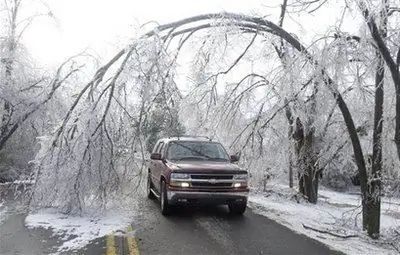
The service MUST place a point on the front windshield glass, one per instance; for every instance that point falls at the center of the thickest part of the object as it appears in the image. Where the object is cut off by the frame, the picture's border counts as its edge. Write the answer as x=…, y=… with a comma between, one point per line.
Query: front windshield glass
x=190, y=150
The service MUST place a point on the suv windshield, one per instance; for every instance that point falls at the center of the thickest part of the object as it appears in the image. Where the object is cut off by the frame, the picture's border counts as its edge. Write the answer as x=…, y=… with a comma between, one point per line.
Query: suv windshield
x=194, y=150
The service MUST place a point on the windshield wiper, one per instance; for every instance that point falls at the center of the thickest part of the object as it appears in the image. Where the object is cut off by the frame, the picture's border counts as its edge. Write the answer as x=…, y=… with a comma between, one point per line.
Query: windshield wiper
x=191, y=157
x=217, y=158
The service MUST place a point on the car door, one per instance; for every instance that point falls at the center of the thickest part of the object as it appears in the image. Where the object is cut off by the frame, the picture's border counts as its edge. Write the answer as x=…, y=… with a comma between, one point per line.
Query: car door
x=158, y=167
x=153, y=167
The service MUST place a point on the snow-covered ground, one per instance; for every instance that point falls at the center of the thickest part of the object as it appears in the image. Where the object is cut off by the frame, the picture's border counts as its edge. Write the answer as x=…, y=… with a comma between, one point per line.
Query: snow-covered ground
x=3, y=212
x=336, y=213
x=77, y=232
x=19, y=182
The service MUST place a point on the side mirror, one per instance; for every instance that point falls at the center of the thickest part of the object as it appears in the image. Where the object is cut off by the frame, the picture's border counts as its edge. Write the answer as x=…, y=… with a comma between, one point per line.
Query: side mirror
x=155, y=156
x=234, y=158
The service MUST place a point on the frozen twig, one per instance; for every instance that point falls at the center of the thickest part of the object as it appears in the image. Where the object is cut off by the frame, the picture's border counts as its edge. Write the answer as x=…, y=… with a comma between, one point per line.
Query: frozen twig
x=328, y=232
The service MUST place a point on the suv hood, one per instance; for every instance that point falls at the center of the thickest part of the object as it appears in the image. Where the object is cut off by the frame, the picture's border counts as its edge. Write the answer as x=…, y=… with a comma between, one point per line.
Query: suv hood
x=204, y=167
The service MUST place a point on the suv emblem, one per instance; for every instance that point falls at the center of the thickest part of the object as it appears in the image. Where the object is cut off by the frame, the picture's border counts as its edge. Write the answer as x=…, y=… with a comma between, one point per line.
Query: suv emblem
x=212, y=181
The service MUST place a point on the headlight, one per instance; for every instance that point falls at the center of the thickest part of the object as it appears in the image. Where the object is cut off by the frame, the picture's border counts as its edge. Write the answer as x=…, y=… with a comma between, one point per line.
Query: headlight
x=237, y=185
x=180, y=180
x=240, y=177
x=179, y=176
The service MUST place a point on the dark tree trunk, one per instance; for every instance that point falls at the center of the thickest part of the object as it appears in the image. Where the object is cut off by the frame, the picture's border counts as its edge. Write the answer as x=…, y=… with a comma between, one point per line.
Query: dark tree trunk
x=306, y=154
x=308, y=170
x=302, y=184
x=298, y=137
x=393, y=66
x=373, y=203
x=289, y=117
x=311, y=186
x=307, y=177
x=290, y=164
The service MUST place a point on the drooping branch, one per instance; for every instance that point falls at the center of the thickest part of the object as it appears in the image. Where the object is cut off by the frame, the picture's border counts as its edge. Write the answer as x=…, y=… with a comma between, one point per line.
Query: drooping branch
x=112, y=85
x=390, y=62
x=98, y=77
x=328, y=232
x=249, y=23
x=245, y=24
x=55, y=85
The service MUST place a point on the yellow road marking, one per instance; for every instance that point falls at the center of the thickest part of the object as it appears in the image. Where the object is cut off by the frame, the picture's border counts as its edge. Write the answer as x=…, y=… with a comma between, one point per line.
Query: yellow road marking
x=110, y=242
x=132, y=244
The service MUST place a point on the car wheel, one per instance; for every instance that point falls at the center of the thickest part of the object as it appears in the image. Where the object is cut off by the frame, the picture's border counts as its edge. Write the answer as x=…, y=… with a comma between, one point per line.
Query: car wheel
x=165, y=207
x=237, y=209
x=150, y=194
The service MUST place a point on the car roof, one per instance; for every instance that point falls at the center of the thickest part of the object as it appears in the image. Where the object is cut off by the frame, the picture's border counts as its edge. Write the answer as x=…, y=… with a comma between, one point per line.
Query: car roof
x=187, y=138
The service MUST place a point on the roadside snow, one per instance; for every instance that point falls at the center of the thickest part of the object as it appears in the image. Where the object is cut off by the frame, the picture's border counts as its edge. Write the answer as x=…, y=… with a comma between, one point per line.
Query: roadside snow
x=3, y=212
x=20, y=182
x=337, y=213
x=77, y=232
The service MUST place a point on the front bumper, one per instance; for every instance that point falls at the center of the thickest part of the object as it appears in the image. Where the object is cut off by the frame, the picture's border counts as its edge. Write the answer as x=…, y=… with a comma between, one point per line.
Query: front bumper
x=202, y=197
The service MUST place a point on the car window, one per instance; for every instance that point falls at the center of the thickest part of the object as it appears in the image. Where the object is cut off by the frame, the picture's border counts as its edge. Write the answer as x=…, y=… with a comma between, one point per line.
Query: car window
x=160, y=147
x=189, y=150
x=156, y=147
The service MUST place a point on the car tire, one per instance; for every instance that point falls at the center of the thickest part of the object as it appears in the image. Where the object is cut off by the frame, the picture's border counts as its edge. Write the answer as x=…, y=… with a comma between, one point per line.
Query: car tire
x=237, y=209
x=164, y=206
x=150, y=194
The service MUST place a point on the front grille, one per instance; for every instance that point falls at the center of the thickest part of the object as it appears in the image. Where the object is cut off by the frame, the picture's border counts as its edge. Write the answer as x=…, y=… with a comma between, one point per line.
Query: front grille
x=204, y=184
x=211, y=180
x=212, y=176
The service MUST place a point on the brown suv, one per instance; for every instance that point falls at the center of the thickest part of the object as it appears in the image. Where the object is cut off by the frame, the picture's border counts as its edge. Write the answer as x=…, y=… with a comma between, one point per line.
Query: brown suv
x=195, y=170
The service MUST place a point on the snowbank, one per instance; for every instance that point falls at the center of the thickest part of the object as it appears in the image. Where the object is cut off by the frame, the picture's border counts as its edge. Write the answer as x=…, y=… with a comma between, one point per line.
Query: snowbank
x=3, y=212
x=335, y=220
x=77, y=232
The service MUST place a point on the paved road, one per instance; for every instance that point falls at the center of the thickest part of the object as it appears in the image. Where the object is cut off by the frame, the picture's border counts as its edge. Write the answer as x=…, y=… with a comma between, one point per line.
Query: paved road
x=214, y=231
x=189, y=231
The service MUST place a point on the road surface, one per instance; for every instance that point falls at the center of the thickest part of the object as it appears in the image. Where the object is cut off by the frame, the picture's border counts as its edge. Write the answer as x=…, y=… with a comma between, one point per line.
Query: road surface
x=208, y=230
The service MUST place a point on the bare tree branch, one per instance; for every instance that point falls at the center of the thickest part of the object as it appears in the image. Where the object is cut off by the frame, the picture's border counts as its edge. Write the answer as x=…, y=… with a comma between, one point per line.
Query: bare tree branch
x=328, y=232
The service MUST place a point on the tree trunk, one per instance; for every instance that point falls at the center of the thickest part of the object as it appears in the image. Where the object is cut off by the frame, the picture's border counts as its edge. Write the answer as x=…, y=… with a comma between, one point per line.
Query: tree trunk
x=311, y=186
x=373, y=203
x=373, y=206
x=298, y=137
x=393, y=66
x=308, y=170
x=307, y=177
x=290, y=168
x=289, y=117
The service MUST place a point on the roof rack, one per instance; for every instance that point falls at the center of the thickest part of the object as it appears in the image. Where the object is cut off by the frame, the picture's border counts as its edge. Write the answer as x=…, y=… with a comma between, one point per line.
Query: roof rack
x=191, y=136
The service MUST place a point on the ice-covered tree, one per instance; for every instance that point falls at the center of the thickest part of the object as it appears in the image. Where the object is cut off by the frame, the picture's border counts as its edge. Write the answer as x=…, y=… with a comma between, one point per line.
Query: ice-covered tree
x=315, y=92
x=25, y=88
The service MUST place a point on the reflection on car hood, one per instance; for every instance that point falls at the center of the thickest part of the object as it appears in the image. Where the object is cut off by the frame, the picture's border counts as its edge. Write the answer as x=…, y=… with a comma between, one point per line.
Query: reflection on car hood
x=206, y=166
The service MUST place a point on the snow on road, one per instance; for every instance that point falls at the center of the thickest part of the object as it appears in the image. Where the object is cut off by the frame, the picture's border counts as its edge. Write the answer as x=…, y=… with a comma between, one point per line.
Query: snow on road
x=337, y=213
x=77, y=232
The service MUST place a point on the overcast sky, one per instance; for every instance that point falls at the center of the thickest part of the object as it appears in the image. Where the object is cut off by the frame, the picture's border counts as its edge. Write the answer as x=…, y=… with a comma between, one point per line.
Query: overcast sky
x=104, y=25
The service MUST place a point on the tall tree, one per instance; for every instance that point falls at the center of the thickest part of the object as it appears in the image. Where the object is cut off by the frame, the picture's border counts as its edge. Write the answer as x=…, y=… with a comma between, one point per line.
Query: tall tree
x=245, y=23
x=25, y=89
x=21, y=87
x=372, y=214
